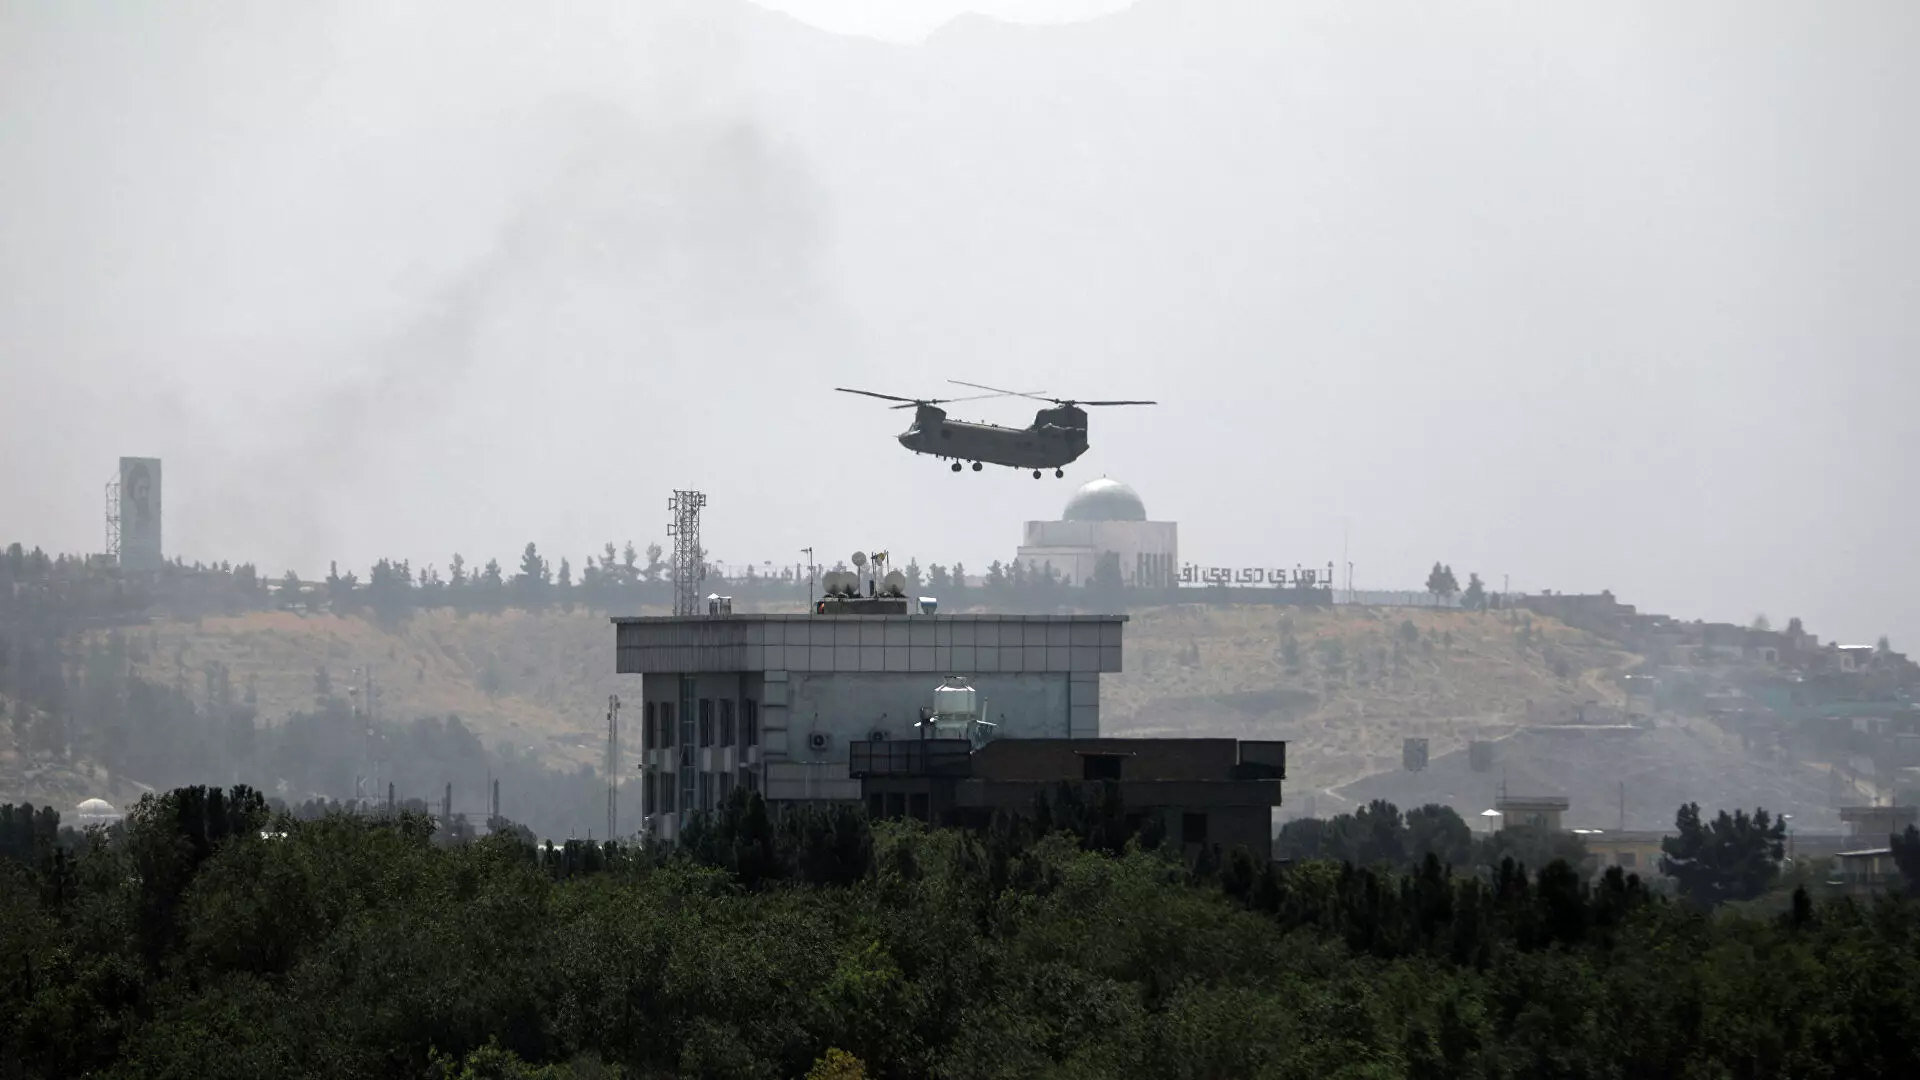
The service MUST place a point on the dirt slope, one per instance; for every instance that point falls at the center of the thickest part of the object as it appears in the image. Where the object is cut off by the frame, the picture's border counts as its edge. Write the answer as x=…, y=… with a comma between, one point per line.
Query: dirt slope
x=543, y=680
x=537, y=680
x=1360, y=683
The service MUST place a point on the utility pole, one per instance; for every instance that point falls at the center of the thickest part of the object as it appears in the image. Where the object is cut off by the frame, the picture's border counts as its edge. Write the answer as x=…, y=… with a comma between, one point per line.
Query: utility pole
x=808, y=552
x=1346, y=528
x=613, y=762
x=371, y=766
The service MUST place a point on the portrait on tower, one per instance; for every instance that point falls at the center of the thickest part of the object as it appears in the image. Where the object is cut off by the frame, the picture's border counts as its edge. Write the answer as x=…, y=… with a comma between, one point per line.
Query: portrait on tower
x=139, y=513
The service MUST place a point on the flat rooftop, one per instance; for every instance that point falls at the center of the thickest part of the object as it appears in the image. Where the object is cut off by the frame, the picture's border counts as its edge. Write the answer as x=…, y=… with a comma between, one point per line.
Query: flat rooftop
x=807, y=617
x=921, y=644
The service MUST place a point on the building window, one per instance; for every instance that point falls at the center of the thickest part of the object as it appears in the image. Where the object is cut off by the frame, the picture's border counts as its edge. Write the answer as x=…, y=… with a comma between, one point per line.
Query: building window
x=646, y=727
x=724, y=782
x=666, y=724
x=726, y=722
x=1193, y=828
x=649, y=796
x=1100, y=766
x=750, y=780
x=706, y=722
x=666, y=792
x=706, y=791
x=917, y=806
x=749, y=723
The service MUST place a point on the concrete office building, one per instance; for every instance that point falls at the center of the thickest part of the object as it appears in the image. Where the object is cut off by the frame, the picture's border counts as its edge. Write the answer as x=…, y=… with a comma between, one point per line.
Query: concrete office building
x=1105, y=516
x=772, y=702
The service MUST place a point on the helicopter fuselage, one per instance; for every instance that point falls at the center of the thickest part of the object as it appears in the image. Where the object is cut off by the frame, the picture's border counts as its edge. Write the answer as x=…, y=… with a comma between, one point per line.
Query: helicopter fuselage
x=1056, y=438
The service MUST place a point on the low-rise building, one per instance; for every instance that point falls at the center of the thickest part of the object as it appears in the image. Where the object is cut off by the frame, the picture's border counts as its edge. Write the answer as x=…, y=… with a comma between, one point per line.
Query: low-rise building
x=1203, y=792
x=1634, y=852
x=1866, y=871
x=1877, y=823
x=1531, y=811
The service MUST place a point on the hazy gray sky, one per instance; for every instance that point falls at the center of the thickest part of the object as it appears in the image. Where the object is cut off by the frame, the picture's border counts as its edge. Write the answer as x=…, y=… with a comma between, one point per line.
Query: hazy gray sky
x=1619, y=297
x=910, y=21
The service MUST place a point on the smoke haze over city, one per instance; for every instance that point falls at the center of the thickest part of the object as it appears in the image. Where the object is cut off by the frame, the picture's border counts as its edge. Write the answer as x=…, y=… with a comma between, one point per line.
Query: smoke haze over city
x=1619, y=298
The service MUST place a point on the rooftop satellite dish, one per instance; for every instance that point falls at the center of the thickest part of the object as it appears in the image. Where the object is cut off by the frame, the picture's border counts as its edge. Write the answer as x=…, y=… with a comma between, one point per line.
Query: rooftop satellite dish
x=895, y=583
x=859, y=558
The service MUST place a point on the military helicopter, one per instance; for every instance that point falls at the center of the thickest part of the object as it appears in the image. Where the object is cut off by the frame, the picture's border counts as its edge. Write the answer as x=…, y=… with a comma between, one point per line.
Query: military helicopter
x=1055, y=439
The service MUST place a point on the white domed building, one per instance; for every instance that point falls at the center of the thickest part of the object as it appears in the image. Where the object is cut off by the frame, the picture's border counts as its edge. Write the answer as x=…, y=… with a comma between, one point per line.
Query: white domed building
x=1103, y=516
x=95, y=812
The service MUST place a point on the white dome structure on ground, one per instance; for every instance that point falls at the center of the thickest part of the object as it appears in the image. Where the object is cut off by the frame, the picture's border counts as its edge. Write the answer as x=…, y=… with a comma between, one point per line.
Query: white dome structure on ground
x=96, y=812
x=1105, y=517
x=1105, y=500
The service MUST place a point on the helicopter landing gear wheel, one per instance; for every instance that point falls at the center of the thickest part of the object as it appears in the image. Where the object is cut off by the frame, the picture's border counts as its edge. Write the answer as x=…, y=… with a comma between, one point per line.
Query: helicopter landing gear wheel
x=1058, y=473
x=1036, y=474
x=976, y=466
x=956, y=466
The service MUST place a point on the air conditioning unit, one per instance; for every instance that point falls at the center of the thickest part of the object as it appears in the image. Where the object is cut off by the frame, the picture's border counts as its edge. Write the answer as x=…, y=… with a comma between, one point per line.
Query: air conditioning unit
x=876, y=735
x=817, y=740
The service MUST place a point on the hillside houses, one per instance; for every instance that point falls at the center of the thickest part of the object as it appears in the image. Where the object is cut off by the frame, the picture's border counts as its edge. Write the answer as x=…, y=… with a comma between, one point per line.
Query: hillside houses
x=1665, y=640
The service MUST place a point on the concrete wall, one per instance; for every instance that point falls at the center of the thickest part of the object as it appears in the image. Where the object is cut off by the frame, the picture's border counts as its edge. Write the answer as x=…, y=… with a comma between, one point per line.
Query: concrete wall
x=1152, y=759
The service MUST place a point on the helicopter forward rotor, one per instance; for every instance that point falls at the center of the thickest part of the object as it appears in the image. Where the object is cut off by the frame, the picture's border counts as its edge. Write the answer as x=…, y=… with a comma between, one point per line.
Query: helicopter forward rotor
x=1038, y=395
x=906, y=402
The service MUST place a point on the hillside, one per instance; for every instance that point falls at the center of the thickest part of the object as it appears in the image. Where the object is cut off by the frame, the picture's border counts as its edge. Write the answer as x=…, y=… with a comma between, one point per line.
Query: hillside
x=1358, y=685
x=539, y=681
x=24, y=778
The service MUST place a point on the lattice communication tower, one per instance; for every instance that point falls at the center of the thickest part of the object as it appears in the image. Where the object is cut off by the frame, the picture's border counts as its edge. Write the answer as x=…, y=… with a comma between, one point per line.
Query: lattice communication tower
x=113, y=519
x=688, y=568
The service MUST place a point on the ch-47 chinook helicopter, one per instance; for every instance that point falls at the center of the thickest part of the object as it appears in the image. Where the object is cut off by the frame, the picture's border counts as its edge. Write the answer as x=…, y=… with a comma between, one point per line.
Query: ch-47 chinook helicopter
x=1055, y=439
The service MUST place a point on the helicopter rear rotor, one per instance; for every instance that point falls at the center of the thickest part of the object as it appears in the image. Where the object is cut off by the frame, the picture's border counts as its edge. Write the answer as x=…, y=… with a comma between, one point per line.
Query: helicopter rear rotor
x=1065, y=403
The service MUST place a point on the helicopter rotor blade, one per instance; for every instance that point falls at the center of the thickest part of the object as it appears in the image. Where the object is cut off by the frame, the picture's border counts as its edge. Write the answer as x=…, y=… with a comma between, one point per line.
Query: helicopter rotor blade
x=997, y=392
x=983, y=397
x=947, y=400
x=883, y=397
x=1112, y=403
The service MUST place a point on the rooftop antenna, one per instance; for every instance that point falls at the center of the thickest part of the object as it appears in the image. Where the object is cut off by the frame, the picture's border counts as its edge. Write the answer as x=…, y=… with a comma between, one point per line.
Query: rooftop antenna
x=808, y=552
x=684, y=530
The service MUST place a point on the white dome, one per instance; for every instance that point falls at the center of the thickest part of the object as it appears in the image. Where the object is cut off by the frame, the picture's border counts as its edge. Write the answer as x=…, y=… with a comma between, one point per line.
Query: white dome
x=95, y=806
x=1105, y=500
